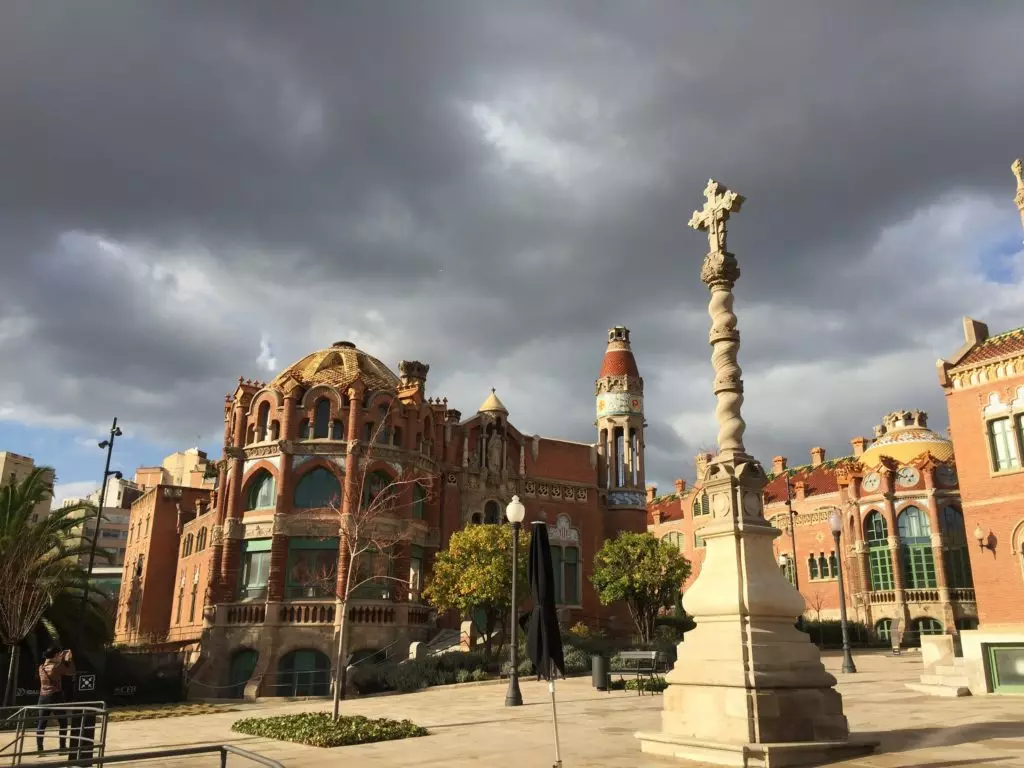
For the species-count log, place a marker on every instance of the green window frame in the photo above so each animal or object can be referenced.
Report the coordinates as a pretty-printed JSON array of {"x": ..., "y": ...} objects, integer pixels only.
[
  {"x": 876, "y": 533},
  {"x": 701, "y": 505},
  {"x": 1004, "y": 444},
  {"x": 254, "y": 573},
  {"x": 812, "y": 567},
  {"x": 916, "y": 549},
  {"x": 556, "y": 571},
  {"x": 1003, "y": 665},
  {"x": 262, "y": 492},
  {"x": 317, "y": 489},
  {"x": 788, "y": 570},
  {"x": 321, "y": 418},
  {"x": 312, "y": 567},
  {"x": 415, "y": 569},
  {"x": 698, "y": 541},
  {"x": 955, "y": 553},
  {"x": 374, "y": 485},
  {"x": 833, "y": 565},
  {"x": 571, "y": 576}
]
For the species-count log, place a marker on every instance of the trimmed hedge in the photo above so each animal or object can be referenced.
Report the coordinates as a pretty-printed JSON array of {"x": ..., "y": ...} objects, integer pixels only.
[{"x": 318, "y": 729}]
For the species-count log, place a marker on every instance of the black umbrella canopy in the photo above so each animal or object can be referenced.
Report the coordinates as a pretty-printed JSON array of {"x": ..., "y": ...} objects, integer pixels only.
[{"x": 543, "y": 638}]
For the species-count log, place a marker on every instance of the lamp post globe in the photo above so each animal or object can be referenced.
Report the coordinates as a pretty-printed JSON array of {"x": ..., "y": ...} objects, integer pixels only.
[
  {"x": 515, "y": 513},
  {"x": 835, "y": 522}
]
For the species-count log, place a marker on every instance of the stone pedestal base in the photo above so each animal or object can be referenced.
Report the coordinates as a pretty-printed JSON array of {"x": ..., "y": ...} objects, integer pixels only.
[{"x": 753, "y": 755}]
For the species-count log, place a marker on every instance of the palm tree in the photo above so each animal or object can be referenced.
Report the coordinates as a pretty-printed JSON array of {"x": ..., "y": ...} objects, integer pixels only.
[{"x": 42, "y": 576}]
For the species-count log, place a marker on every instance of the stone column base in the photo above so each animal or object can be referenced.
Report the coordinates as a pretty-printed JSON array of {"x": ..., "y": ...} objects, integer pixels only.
[{"x": 753, "y": 755}]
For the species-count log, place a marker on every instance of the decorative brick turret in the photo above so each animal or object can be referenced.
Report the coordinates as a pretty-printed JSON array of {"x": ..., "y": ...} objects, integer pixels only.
[
  {"x": 778, "y": 464},
  {"x": 817, "y": 456}
]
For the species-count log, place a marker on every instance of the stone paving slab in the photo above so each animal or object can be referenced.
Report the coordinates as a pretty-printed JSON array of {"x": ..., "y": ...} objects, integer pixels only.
[{"x": 470, "y": 726}]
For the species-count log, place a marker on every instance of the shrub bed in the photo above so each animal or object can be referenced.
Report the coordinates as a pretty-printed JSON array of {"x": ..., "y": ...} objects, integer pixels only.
[
  {"x": 318, "y": 729},
  {"x": 651, "y": 685}
]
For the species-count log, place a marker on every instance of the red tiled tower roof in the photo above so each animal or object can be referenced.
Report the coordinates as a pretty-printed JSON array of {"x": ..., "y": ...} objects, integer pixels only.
[{"x": 618, "y": 357}]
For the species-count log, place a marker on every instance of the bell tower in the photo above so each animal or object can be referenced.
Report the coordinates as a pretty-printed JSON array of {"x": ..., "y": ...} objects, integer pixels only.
[{"x": 619, "y": 392}]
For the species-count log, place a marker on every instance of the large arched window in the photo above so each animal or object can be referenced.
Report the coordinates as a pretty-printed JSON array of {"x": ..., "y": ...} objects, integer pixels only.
[
  {"x": 700, "y": 504},
  {"x": 337, "y": 430},
  {"x": 876, "y": 534},
  {"x": 321, "y": 417},
  {"x": 375, "y": 485},
  {"x": 317, "y": 488},
  {"x": 243, "y": 664},
  {"x": 925, "y": 625},
  {"x": 384, "y": 435},
  {"x": 263, "y": 414},
  {"x": 262, "y": 493},
  {"x": 954, "y": 536},
  {"x": 916, "y": 549}
]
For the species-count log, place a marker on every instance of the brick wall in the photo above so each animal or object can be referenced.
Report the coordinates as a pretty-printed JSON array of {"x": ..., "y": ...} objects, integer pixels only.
[{"x": 994, "y": 502}]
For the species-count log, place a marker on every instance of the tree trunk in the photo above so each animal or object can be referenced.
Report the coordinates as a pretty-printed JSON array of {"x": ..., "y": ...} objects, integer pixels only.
[
  {"x": 340, "y": 671},
  {"x": 11, "y": 686}
]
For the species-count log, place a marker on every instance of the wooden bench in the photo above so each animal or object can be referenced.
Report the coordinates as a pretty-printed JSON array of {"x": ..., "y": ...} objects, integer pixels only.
[{"x": 645, "y": 664}]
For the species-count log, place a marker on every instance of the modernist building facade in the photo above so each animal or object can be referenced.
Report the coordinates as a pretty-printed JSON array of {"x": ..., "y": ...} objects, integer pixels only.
[
  {"x": 984, "y": 386},
  {"x": 903, "y": 550},
  {"x": 257, "y": 571}
]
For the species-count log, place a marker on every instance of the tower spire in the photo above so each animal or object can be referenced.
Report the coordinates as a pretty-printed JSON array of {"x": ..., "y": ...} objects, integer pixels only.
[
  {"x": 1018, "y": 171},
  {"x": 619, "y": 391}
]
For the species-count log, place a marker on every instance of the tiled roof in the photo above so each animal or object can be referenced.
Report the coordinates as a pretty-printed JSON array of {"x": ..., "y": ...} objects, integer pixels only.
[
  {"x": 1009, "y": 343},
  {"x": 618, "y": 362},
  {"x": 339, "y": 366},
  {"x": 817, "y": 480}
]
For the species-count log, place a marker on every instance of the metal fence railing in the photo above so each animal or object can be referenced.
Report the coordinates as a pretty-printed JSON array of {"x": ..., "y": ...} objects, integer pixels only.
[{"x": 80, "y": 735}]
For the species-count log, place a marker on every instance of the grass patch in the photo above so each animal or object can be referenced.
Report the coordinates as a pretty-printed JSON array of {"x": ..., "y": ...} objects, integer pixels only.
[
  {"x": 318, "y": 729},
  {"x": 159, "y": 711}
]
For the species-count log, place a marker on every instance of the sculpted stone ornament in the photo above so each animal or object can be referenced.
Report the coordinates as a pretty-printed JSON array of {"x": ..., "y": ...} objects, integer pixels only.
[
  {"x": 748, "y": 688},
  {"x": 1018, "y": 171}
]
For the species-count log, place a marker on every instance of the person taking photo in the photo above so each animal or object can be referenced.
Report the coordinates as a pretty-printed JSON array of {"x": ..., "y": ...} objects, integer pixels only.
[{"x": 57, "y": 665}]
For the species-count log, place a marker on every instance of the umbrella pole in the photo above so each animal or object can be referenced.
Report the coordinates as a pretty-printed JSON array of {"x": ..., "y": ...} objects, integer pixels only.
[{"x": 554, "y": 719}]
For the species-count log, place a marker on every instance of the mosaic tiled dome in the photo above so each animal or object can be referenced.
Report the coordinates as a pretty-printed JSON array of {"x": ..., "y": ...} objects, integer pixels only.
[
  {"x": 340, "y": 365},
  {"x": 903, "y": 437}
]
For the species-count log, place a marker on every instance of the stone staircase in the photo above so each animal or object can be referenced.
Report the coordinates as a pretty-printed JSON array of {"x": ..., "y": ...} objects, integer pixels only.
[{"x": 948, "y": 679}]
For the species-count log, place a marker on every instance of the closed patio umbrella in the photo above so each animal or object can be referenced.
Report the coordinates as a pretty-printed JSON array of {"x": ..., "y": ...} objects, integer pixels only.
[{"x": 543, "y": 638}]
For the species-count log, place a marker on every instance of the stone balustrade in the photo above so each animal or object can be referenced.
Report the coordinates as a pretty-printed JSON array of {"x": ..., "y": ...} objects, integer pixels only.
[
  {"x": 241, "y": 613},
  {"x": 962, "y": 595},
  {"x": 382, "y": 613},
  {"x": 306, "y": 613}
]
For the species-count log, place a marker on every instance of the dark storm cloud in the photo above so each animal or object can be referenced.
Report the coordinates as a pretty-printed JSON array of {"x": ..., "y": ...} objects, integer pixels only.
[{"x": 330, "y": 152}]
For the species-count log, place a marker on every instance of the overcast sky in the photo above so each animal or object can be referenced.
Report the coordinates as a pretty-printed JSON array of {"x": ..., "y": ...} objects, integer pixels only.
[{"x": 196, "y": 191}]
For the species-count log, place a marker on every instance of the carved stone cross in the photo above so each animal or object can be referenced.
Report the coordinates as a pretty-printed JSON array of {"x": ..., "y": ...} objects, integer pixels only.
[{"x": 712, "y": 217}]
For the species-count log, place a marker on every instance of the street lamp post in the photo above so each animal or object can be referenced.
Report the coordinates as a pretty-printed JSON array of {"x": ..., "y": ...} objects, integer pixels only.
[
  {"x": 115, "y": 431},
  {"x": 835, "y": 521},
  {"x": 515, "y": 512}
]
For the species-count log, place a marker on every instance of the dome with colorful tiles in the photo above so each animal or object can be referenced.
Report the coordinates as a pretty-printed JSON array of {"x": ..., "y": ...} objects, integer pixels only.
[
  {"x": 903, "y": 436},
  {"x": 339, "y": 366}
]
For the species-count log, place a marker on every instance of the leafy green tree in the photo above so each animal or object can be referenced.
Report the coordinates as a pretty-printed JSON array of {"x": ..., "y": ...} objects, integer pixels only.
[
  {"x": 42, "y": 582},
  {"x": 644, "y": 573},
  {"x": 474, "y": 576}
]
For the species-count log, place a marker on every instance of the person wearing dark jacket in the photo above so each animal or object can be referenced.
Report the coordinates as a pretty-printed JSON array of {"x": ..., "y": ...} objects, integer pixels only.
[{"x": 57, "y": 665}]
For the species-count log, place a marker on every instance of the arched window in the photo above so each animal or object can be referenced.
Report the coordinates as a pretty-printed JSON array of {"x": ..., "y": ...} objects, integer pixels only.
[
  {"x": 181, "y": 599},
  {"x": 812, "y": 566},
  {"x": 397, "y": 441},
  {"x": 275, "y": 430},
  {"x": 188, "y": 544},
  {"x": 883, "y": 629},
  {"x": 876, "y": 535},
  {"x": 926, "y": 626},
  {"x": 492, "y": 513},
  {"x": 419, "y": 501},
  {"x": 304, "y": 429},
  {"x": 916, "y": 549},
  {"x": 476, "y": 519},
  {"x": 700, "y": 505},
  {"x": 337, "y": 430},
  {"x": 201, "y": 540},
  {"x": 243, "y": 664},
  {"x": 954, "y": 537},
  {"x": 263, "y": 414},
  {"x": 321, "y": 417},
  {"x": 317, "y": 488},
  {"x": 195, "y": 591},
  {"x": 676, "y": 539},
  {"x": 262, "y": 491},
  {"x": 376, "y": 484}
]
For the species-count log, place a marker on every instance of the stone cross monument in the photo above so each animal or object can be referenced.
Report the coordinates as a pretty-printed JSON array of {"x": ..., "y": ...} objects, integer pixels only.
[
  {"x": 748, "y": 688},
  {"x": 1018, "y": 171}
]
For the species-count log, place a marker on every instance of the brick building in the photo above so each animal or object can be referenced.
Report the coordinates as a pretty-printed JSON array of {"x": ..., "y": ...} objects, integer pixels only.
[
  {"x": 984, "y": 387},
  {"x": 339, "y": 420},
  {"x": 904, "y": 551}
]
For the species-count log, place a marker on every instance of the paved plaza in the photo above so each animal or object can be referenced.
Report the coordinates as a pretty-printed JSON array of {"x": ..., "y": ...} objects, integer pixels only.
[{"x": 470, "y": 726}]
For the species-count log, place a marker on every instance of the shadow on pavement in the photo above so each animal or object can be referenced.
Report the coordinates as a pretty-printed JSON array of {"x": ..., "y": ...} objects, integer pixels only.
[{"x": 909, "y": 739}]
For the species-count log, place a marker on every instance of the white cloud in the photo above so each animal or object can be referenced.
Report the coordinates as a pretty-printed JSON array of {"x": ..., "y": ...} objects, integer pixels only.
[{"x": 266, "y": 359}]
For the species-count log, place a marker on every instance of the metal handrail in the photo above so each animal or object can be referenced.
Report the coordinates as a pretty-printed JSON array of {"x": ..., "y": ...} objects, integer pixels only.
[
  {"x": 72, "y": 735},
  {"x": 222, "y": 749}
]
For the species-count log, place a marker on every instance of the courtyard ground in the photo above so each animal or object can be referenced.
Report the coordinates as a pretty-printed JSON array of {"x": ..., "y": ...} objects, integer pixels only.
[{"x": 471, "y": 727}]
